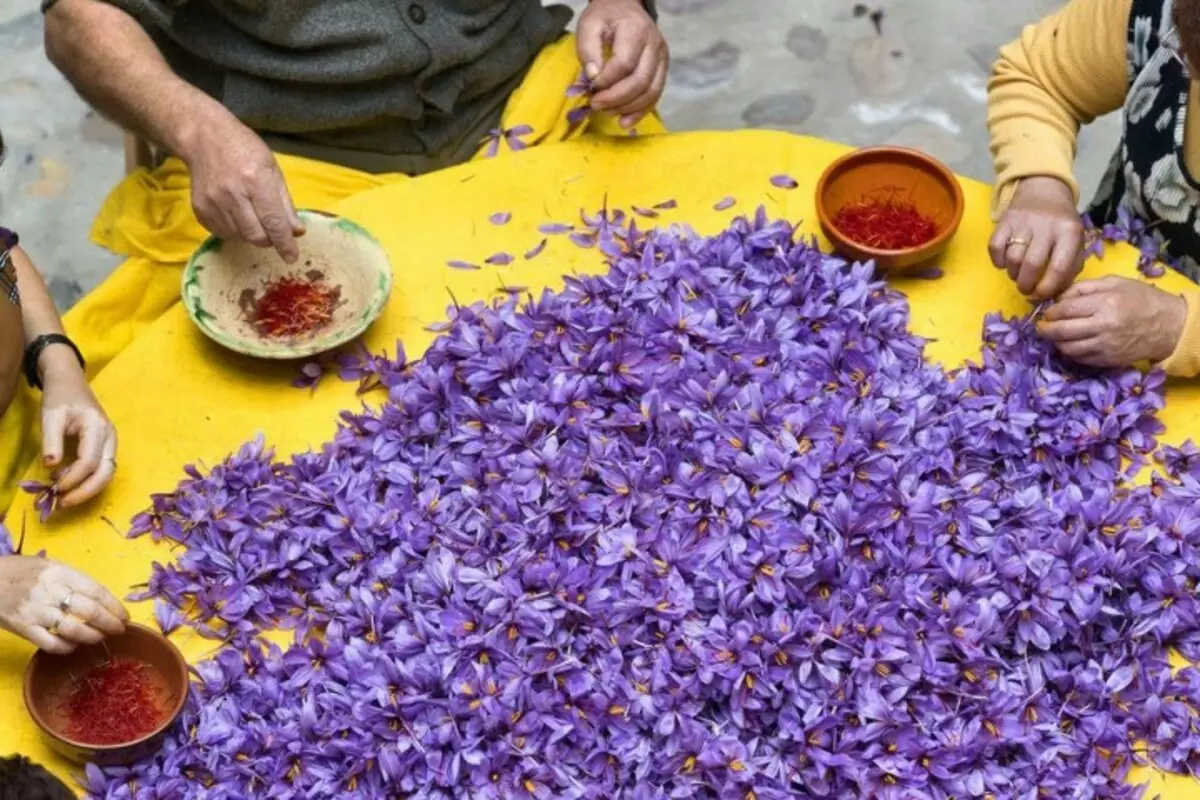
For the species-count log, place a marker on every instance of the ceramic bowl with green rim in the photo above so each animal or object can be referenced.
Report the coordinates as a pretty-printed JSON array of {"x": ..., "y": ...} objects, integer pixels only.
[{"x": 225, "y": 280}]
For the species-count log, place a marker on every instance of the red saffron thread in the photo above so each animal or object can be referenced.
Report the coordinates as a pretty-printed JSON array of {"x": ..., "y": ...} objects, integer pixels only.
[
  {"x": 292, "y": 307},
  {"x": 885, "y": 223},
  {"x": 113, "y": 703}
]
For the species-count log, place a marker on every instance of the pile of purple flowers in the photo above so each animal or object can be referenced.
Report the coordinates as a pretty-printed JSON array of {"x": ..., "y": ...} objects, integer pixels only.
[{"x": 708, "y": 526}]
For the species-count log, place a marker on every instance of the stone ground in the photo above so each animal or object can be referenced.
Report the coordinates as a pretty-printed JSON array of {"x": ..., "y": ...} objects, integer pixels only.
[{"x": 818, "y": 67}]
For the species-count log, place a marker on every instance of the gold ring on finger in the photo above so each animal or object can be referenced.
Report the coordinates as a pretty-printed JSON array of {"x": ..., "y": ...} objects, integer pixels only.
[
  {"x": 64, "y": 605},
  {"x": 53, "y": 628},
  {"x": 1016, "y": 240}
]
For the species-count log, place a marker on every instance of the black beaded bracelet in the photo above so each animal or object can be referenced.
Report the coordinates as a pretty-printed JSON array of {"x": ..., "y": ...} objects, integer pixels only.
[{"x": 33, "y": 352}]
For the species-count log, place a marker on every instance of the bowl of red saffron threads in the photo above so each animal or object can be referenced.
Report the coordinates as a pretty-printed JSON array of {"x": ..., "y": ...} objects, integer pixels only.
[
  {"x": 894, "y": 206},
  {"x": 251, "y": 301},
  {"x": 108, "y": 703}
]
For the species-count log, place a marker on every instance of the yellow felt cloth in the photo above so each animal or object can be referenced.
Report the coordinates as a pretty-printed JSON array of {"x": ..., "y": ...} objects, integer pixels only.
[
  {"x": 148, "y": 217},
  {"x": 203, "y": 402}
]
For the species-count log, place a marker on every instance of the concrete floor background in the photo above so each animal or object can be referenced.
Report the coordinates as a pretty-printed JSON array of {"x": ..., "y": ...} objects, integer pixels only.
[{"x": 816, "y": 67}]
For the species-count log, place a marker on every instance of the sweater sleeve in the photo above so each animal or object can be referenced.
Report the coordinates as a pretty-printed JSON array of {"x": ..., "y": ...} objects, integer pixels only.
[
  {"x": 1185, "y": 361},
  {"x": 1062, "y": 73}
]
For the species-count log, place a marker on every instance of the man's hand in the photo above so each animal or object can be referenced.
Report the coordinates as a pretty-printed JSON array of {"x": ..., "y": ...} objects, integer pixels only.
[
  {"x": 237, "y": 188},
  {"x": 629, "y": 83},
  {"x": 1115, "y": 322},
  {"x": 1039, "y": 240}
]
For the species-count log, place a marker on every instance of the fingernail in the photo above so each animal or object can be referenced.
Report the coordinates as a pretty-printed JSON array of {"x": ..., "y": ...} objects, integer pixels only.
[
  {"x": 592, "y": 71},
  {"x": 626, "y": 122}
]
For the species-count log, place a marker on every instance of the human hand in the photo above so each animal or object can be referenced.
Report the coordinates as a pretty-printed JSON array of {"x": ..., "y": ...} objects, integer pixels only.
[
  {"x": 54, "y": 606},
  {"x": 1040, "y": 240},
  {"x": 629, "y": 83},
  {"x": 1115, "y": 322},
  {"x": 70, "y": 411},
  {"x": 238, "y": 189}
]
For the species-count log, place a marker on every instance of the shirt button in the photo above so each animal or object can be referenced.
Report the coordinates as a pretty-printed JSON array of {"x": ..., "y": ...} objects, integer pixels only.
[{"x": 417, "y": 14}]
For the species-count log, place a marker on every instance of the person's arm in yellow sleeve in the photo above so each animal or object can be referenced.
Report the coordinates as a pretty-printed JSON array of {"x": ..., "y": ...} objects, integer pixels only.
[
  {"x": 1184, "y": 362},
  {"x": 1060, "y": 74}
]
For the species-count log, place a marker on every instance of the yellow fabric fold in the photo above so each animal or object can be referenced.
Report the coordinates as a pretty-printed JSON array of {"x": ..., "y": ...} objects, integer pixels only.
[
  {"x": 148, "y": 218},
  {"x": 1061, "y": 73},
  {"x": 1185, "y": 361}
]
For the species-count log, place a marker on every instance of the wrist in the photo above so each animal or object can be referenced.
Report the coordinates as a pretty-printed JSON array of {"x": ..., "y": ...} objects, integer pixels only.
[
  {"x": 1043, "y": 184},
  {"x": 43, "y": 356},
  {"x": 196, "y": 125},
  {"x": 57, "y": 363}
]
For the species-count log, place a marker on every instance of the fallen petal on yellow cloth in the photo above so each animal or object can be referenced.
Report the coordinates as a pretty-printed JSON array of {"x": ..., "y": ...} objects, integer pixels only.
[{"x": 148, "y": 218}]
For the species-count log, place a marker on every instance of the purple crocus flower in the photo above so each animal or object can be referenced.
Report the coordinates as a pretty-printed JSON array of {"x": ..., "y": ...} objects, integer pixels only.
[
  {"x": 45, "y": 497},
  {"x": 708, "y": 525}
]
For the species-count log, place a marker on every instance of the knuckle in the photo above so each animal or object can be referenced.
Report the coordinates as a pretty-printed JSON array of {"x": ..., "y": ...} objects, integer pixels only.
[{"x": 272, "y": 220}]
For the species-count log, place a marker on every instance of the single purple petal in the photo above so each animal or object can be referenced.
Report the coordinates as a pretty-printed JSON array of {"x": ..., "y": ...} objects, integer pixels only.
[
  {"x": 464, "y": 265},
  {"x": 555, "y": 228},
  {"x": 1151, "y": 268},
  {"x": 577, "y": 116},
  {"x": 645, "y": 212},
  {"x": 585, "y": 240},
  {"x": 493, "y": 139},
  {"x": 500, "y": 218},
  {"x": 927, "y": 273},
  {"x": 168, "y": 617},
  {"x": 499, "y": 259},
  {"x": 666, "y": 204},
  {"x": 309, "y": 376},
  {"x": 536, "y": 250},
  {"x": 784, "y": 182},
  {"x": 725, "y": 203}
]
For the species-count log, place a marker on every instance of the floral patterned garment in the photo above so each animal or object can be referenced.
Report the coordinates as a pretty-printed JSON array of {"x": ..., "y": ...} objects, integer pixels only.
[
  {"x": 8, "y": 273},
  {"x": 1148, "y": 175}
]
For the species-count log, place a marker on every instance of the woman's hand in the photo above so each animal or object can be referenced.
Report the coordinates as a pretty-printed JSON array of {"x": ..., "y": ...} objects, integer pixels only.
[
  {"x": 1040, "y": 239},
  {"x": 630, "y": 83},
  {"x": 70, "y": 411},
  {"x": 1115, "y": 322},
  {"x": 54, "y": 606}
]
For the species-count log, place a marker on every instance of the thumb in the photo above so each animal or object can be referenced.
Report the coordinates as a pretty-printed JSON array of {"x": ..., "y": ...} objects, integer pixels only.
[
  {"x": 589, "y": 44},
  {"x": 54, "y": 428}
]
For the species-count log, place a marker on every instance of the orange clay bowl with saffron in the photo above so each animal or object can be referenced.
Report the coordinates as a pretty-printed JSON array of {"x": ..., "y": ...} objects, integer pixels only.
[
  {"x": 249, "y": 300},
  {"x": 892, "y": 194},
  {"x": 108, "y": 703}
]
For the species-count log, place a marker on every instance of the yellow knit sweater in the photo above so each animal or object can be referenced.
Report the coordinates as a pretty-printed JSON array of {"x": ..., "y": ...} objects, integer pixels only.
[{"x": 1062, "y": 73}]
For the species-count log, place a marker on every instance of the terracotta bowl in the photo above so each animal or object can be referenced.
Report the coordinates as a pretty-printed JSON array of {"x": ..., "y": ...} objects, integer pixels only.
[
  {"x": 922, "y": 180},
  {"x": 48, "y": 681},
  {"x": 225, "y": 278}
]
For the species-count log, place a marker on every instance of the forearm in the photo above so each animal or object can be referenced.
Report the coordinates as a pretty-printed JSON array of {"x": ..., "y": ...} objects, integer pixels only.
[
  {"x": 40, "y": 317},
  {"x": 1062, "y": 73},
  {"x": 11, "y": 350},
  {"x": 116, "y": 67}
]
